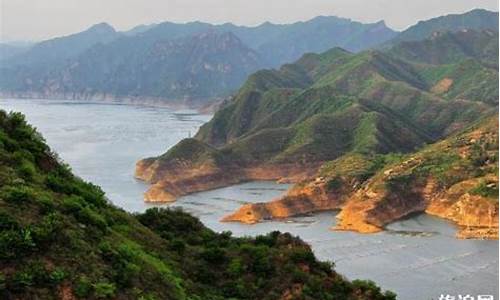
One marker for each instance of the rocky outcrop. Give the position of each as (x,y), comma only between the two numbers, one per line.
(302,199)
(369,210)
(475,216)
(454,179)
(181,177)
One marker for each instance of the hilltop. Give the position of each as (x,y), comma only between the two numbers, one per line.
(477,19)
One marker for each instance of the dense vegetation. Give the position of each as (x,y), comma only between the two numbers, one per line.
(327,105)
(469,156)
(477,19)
(59,238)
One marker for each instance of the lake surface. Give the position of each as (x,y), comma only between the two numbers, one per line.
(418,258)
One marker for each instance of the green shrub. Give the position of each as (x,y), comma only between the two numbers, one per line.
(46,204)
(147,297)
(57,276)
(3,284)
(302,255)
(17,194)
(7,222)
(478,155)
(72,204)
(48,229)
(27,170)
(16,243)
(22,279)
(82,287)
(400,183)
(214,255)
(177,245)
(299,276)
(334,184)
(88,216)
(485,190)
(104,290)
(235,267)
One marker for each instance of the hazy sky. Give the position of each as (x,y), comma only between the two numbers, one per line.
(42,19)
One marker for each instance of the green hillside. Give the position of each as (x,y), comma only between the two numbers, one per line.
(328,104)
(461,65)
(469,154)
(455,179)
(284,123)
(477,19)
(60,238)
(450,47)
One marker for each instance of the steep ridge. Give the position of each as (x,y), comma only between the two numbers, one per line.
(204,65)
(183,64)
(451,47)
(60,238)
(456,179)
(58,50)
(477,19)
(102,64)
(320,34)
(460,65)
(283,124)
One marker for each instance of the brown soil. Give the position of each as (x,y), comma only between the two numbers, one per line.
(442,86)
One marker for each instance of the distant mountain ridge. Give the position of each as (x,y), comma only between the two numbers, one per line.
(201,65)
(477,19)
(8,50)
(170,61)
(287,43)
(59,49)
(102,64)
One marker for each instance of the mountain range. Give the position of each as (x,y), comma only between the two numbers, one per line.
(290,123)
(187,63)
(376,130)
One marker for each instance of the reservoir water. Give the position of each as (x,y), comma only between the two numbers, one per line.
(418,258)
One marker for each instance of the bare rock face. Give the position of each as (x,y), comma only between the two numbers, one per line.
(299,200)
(475,216)
(172,179)
(158,194)
(368,211)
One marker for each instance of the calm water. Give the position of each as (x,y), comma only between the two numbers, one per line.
(418,258)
